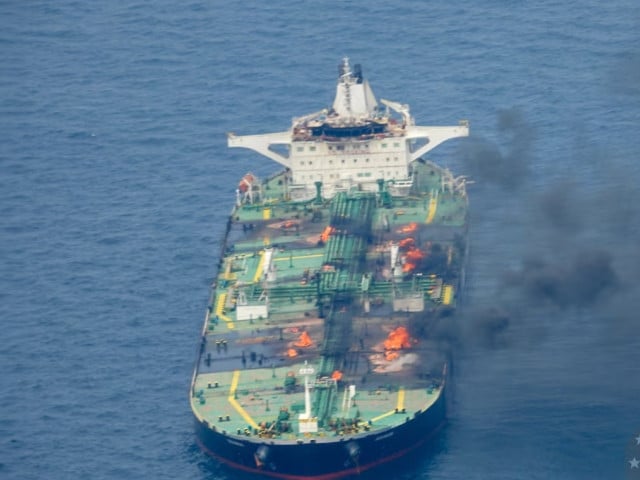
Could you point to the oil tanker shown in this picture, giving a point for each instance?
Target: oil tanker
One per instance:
(317, 357)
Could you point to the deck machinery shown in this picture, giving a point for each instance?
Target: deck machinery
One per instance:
(317, 356)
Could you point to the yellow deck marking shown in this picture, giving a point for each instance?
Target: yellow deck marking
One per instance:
(227, 275)
(258, 274)
(234, 403)
(400, 404)
(380, 417)
(220, 306)
(433, 205)
(399, 407)
(266, 214)
(447, 294)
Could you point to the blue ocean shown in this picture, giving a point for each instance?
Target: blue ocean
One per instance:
(115, 184)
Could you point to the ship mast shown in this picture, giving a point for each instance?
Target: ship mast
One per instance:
(345, 76)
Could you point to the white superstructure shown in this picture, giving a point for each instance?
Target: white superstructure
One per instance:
(354, 145)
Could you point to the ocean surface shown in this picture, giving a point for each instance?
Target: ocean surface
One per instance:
(115, 183)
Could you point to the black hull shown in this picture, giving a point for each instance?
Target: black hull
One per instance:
(324, 459)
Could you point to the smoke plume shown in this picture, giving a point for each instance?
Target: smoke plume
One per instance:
(569, 247)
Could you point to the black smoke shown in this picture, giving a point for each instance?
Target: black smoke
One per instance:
(507, 166)
(572, 248)
(579, 281)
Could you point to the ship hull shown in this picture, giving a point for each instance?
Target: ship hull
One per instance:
(324, 459)
(316, 359)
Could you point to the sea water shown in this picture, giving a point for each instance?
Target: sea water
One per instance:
(115, 184)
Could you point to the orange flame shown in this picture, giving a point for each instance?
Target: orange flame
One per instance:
(292, 353)
(337, 375)
(406, 242)
(415, 254)
(409, 228)
(391, 355)
(408, 267)
(397, 339)
(304, 340)
(324, 236)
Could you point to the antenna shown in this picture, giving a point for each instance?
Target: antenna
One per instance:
(306, 371)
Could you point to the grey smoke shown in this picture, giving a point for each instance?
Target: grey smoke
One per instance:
(580, 281)
(559, 207)
(508, 166)
(572, 250)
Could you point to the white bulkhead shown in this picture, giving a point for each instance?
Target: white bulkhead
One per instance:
(355, 144)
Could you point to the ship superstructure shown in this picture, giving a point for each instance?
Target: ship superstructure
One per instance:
(317, 357)
(353, 144)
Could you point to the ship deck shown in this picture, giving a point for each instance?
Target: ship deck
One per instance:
(310, 285)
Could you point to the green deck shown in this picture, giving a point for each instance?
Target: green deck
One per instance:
(342, 294)
(256, 397)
